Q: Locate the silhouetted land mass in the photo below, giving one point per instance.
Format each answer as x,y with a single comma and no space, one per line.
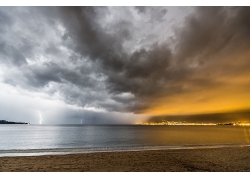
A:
220,118
10,122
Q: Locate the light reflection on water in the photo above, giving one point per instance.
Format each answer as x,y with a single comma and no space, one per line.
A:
247,133
111,137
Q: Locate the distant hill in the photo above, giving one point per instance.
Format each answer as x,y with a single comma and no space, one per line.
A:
10,122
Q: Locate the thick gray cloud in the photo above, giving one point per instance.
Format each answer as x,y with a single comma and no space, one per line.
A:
212,30
11,55
122,58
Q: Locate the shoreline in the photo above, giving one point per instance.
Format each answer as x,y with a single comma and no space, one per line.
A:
65,151
223,159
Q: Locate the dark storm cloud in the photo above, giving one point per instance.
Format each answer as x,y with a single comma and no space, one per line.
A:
5,22
142,70
40,76
11,55
93,55
27,46
89,39
156,13
213,30
142,73
205,44
141,9
134,73
209,36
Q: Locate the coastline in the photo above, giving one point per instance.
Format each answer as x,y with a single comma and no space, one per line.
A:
65,151
222,159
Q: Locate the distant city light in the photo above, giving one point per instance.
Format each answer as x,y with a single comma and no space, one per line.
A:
171,123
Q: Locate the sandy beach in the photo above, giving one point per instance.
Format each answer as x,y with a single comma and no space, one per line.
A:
228,159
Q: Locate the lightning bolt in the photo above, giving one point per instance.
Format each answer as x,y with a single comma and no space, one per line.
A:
40,116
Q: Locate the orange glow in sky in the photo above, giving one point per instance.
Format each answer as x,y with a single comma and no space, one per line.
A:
229,90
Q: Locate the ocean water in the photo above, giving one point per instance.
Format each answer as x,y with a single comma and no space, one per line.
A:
17,140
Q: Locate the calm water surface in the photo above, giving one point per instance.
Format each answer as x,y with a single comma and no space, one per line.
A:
20,138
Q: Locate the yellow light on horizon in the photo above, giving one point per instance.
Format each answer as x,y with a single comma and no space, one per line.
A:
214,101
227,89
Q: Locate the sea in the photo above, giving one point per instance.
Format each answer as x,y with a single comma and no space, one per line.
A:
30,140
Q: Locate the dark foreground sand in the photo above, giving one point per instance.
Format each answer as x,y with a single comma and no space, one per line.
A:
218,160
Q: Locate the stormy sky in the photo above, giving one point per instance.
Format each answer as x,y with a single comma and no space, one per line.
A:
122,64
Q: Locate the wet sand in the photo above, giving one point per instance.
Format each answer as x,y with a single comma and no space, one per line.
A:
228,159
